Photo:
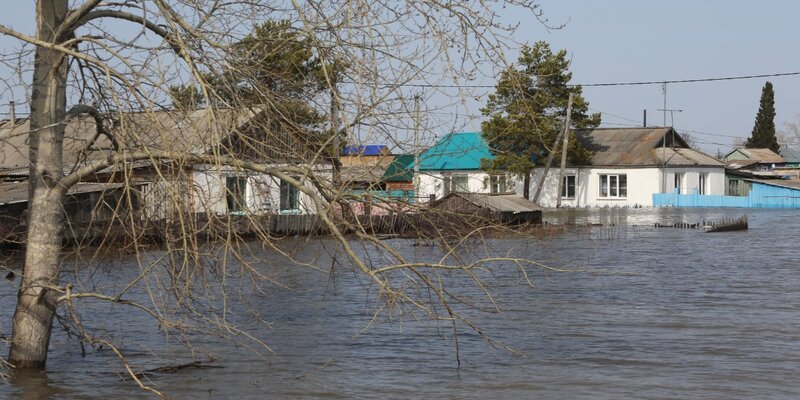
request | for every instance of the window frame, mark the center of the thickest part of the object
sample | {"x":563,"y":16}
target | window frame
{"x":498,"y":184}
{"x":290,"y":194}
{"x":236,"y":193}
{"x":451,"y":183}
{"x":702,"y":182}
{"x":620,"y":186}
{"x":565,"y":186}
{"x":678,"y":180}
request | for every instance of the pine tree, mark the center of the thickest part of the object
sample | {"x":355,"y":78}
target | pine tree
{"x":527,"y":111}
{"x":763,"y":136}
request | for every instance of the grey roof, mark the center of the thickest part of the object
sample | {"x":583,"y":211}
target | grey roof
{"x":641,"y":147}
{"x":17,"y":192}
{"x":739,"y":164}
{"x":195,"y":131}
{"x":761,"y":155}
{"x":786,"y":183}
{"x":504,"y":202}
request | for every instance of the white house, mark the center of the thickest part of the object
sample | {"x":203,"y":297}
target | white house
{"x":628,"y":166}
{"x":453,"y":164}
{"x":163,"y":187}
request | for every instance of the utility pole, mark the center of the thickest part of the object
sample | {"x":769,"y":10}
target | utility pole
{"x":337,"y":145}
{"x":550,"y":159}
{"x":564,"y":152}
{"x":665,"y":104}
{"x":416,"y":146}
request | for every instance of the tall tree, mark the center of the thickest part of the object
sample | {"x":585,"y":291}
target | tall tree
{"x":527,"y":111}
{"x":83,"y":69}
{"x":763,"y":136}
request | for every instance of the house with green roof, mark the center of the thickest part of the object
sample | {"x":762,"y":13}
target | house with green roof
{"x":453,"y":164}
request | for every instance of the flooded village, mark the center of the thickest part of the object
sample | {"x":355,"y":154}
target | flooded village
{"x":353,"y":199}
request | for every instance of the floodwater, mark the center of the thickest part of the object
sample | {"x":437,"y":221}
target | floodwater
{"x":643,"y":312}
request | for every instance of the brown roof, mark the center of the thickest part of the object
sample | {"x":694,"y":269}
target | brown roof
{"x":761,"y":155}
{"x":640,"y":147}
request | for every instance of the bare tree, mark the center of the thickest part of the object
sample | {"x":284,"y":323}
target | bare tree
{"x":116,"y":85}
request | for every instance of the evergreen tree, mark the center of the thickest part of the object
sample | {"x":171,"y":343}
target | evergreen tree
{"x":527,"y":111}
{"x":763,"y":136}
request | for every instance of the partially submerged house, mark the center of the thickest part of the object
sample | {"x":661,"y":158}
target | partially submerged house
{"x":630,"y":165}
{"x":453,"y":164}
{"x":165,"y":182}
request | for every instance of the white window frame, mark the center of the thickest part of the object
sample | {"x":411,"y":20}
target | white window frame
{"x":613,"y":188}
{"x":565,"y":186}
{"x":678,"y":182}
{"x":450,"y":185}
{"x":498,"y":184}
{"x":702,"y":183}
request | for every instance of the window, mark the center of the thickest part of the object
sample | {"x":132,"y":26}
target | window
{"x":456,"y":183}
{"x":733,"y":187}
{"x":613,"y":185}
{"x":678,"y":181}
{"x":497,"y":184}
{"x":289,"y":196}
{"x":568,"y":187}
{"x":235,"y":193}
{"x":701,"y":183}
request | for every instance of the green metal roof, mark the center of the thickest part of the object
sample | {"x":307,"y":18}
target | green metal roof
{"x":456,"y":151}
{"x":400,"y":170}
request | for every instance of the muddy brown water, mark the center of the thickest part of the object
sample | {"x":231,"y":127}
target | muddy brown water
{"x":652,"y":313}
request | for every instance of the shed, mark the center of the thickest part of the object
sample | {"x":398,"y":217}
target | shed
{"x":505,"y":208}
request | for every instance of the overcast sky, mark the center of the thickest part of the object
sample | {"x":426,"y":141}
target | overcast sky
{"x":634,"y":40}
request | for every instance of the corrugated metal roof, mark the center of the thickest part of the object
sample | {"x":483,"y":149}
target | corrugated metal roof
{"x":641,"y":147}
{"x":503,"y":203}
{"x":17,"y":192}
{"x":761,"y":155}
{"x":738,"y":164}
{"x":175,"y":131}
{"x":786,"y":183}
{"x":400,"y":170}
{"x":456,"y":151}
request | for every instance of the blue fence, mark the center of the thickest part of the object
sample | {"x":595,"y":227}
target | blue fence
{"x":761,"y":196}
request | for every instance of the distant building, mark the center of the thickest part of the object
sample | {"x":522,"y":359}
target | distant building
{"x":753,"y":160}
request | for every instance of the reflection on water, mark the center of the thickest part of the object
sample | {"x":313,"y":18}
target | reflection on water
{"x":647,"y":313}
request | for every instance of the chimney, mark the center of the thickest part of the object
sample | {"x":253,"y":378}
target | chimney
{"x":12,"y":113}
{"x":644,"y":118}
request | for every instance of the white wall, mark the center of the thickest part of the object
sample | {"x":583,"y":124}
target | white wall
{"x":262,"y":192}
{"x":642,"y":183}
{"x":432,"y":182}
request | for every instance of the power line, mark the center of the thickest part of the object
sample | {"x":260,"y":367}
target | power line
{"x":632,"y":83}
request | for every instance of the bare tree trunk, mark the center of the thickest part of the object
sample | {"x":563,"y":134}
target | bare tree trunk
{"x":33,"y":317}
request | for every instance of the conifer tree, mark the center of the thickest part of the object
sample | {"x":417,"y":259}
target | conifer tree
{"x":763,"y":136}
{"x":527,"y":110}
